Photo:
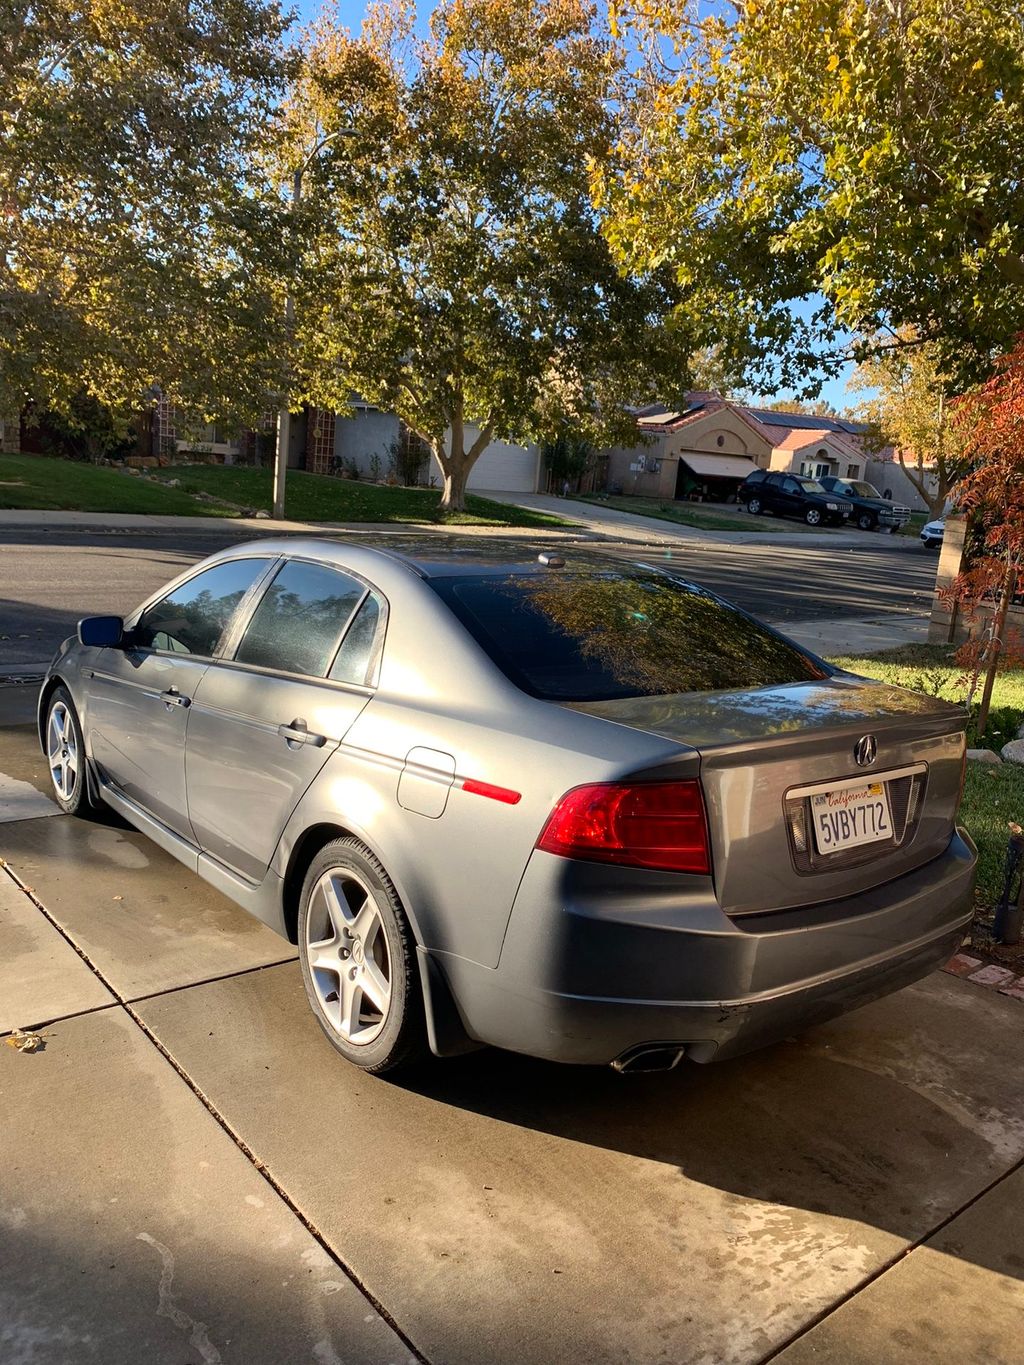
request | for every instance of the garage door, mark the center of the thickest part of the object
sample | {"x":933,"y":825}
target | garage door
{"x":504,"y":468}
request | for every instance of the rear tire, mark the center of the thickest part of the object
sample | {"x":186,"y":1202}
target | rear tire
{"x":754,"y":506}
{"x":64,"y":745}
{"x":358,"y":960}
{"x":866,"y":521}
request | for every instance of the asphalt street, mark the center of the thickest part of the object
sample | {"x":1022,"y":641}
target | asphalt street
{"x":191,"y":1175}
{"x":51,"y":576}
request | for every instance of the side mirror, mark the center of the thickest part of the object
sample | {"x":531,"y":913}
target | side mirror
{"x":102,"y":632}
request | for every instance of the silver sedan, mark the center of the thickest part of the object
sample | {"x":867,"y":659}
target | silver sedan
{"x":578,"y":808}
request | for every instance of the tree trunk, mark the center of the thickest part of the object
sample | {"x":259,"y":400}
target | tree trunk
{"x":995,"y":650}
{"x":457,"y":463}
{"x":453,"y":492}
{"x":937,"y":502}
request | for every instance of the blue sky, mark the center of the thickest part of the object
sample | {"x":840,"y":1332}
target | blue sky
{"x":350,"y":13}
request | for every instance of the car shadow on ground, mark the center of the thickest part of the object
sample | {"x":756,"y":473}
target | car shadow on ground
{"x":844,"y":1121}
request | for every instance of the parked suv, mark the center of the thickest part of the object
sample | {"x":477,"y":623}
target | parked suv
{"x":870,"y":509}
{"x":793,"y":495}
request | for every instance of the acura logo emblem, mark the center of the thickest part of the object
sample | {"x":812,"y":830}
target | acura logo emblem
{"x":865,"y":751}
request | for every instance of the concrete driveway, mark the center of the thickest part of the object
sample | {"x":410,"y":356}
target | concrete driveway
{"x":191,"y":1175}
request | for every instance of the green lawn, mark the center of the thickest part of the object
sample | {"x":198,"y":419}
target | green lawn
{"x":43,"y":484}
{"x":993,"y":795}
{"x":315,"y":497}
{"x":32,"y":481}
{"x":683,"y":513}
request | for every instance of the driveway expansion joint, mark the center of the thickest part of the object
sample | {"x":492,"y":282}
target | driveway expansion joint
{"x":212,"y":1109}
{"x":896,"y":1259}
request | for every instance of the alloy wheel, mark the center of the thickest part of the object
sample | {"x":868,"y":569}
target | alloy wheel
{"x":348,"y":956}
{"x":62,"y":751}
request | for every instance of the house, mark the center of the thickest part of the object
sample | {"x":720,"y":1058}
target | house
{"x":376,"y":443}
{"x":707,"y":448}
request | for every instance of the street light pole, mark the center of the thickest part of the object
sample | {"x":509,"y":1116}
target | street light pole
{"x":284,"y":415}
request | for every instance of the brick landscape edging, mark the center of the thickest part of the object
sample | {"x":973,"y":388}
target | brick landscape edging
{"x":996,"y":978}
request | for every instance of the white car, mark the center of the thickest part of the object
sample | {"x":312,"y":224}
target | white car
{"x":931,"y":535}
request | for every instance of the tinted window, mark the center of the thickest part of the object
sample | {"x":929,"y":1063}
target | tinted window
{"x":192,"y":619}
{"x":618,"y":633}
{"x":299,"y":621}
{"x":356,"y":652}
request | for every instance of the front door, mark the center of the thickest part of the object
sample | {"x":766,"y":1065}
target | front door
{"x":140,"y":695}
{"x":263,"y":724}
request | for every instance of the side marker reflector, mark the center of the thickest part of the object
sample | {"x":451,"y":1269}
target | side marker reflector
{"x":510,"y":798}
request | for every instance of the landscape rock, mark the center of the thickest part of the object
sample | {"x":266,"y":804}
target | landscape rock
{"x":173,"y":483}
{"x":984,"y":756}
{"x":1014,"y":751}
{"x":263,"y":516}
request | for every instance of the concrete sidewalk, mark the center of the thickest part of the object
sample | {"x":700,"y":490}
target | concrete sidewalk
{"x":612,"y":521}
{"x":193,"y":1177}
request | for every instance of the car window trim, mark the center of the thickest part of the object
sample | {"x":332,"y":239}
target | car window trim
{"x":232,"y":645}
{"x":309,"y":679}
{"x":132,"y":621}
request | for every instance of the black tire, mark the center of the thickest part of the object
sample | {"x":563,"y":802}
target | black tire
{"x":867,"y":521}
{"x":73,"y":797}
{"x":812,"y":516}
{"x":754,"y":506}
{"x":400,"y":1039}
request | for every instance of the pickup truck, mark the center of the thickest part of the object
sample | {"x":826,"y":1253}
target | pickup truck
{"x":870,"y":509}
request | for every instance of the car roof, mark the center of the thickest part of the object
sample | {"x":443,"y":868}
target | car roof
{"x":434,"y":557}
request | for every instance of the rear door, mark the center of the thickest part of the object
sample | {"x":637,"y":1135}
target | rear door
{"x":266,"y":720}
{"x":140,"y":696}
{"x":791,"y":497}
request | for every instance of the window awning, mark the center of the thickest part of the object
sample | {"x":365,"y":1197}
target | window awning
{"x":718,"y":466}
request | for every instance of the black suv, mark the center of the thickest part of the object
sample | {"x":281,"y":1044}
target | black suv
{"x":870,"y":509}
{"x":793,"y":495}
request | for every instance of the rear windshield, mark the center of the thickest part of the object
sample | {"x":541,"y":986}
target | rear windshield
{"x":629,"y":632}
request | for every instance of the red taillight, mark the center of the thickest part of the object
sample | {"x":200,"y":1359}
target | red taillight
{"x":642,"y":824}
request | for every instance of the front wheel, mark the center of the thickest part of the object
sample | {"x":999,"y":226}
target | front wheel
{"x":357,"y":956}
{"x":65,"y":755}
{"x":812,"y":516}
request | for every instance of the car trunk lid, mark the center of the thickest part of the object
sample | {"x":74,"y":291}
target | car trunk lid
{"x":775,"y":761}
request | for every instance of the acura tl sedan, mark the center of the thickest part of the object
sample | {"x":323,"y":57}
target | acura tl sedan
{"x":579,"y":808}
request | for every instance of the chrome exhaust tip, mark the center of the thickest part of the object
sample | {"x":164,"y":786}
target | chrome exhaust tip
{"x":650,"y":1057}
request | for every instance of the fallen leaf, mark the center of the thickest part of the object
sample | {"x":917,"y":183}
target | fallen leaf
{"x":24,"y":1041}
{"x":119,"y":898}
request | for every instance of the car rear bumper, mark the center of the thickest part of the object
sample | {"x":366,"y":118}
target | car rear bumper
{"x":607,"y":975}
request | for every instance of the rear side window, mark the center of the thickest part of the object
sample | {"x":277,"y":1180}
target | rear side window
{"x":192,"y":619}
{"x":621,"y":633}
{"x":356,"y":655}
{"x":300,"y":619}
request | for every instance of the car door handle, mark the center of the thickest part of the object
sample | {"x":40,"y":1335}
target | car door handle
{"x":297,"y":732}
{"x":172,"y":697}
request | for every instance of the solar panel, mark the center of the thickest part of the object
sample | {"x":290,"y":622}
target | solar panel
{"x":804,"y":421}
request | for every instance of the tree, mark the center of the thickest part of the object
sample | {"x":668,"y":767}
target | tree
{"x":858,"y":152}
{"x":913,"y":414}
{"x":454,"y":270}
{"x":567,"y":458}
{"x":140,"y":237}
{"x":991,"y":492}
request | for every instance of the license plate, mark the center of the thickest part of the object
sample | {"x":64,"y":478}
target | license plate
{"x":851,"y":816}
